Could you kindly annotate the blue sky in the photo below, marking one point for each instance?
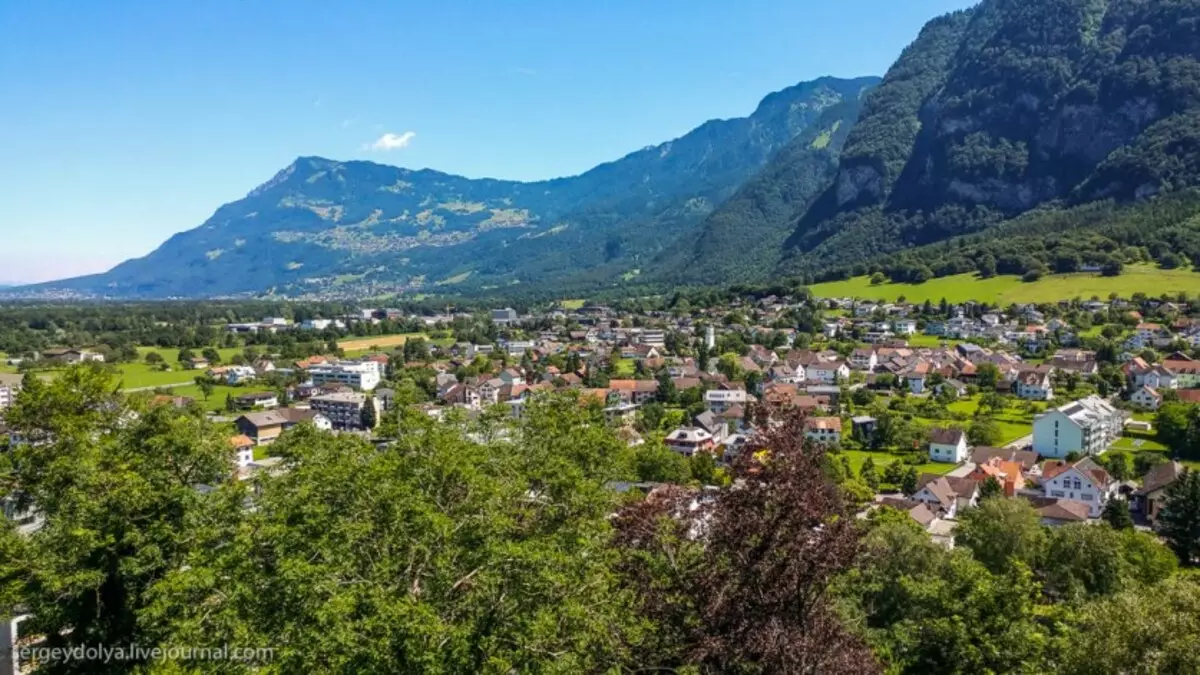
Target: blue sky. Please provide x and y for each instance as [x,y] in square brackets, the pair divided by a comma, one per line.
[125,122]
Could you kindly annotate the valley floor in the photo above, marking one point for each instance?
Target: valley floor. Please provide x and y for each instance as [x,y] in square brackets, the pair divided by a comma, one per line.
[1146,279]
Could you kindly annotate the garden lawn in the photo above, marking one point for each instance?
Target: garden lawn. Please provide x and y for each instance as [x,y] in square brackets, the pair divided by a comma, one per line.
[1147,279]
[882,459]
[625,368]
[216,402]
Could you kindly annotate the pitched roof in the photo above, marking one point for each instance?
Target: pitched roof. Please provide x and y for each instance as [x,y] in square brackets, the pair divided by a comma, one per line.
[1160,476]
[1061,509]
[942,436]
[830,423]
[1026,458]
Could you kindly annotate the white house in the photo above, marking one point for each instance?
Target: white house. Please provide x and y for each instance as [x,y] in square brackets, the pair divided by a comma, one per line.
[687,441]
[1147,398]
[948,445]
[905,327]
[236,375]
[864,358]
[946,495]
[720,400]
[828,373]
[825,430]
[1084,481]
[1156,377]
[1087,426]
[359,375]
[1034,385]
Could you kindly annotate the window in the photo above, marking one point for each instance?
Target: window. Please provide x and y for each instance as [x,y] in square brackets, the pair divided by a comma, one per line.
[1086,496]
[1057,493]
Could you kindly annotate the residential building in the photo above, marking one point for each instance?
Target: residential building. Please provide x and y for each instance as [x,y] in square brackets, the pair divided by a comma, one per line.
[720,400]
[1146,398]
[504,317]
[265,400]
[1085,481]
[713,423]
[72,355]
[363,376]
[948,445]
[1008,473]
[1152,496]
[1034,385]
[635,391]
[945,495]
[864,358]
[243,448]
[10,386]
[265,427]
[825,430]
[1088,426]
[828,373]
[343,409]
[687,441]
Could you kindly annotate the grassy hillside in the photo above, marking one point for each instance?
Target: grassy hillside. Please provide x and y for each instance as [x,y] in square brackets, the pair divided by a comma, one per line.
[1146,279]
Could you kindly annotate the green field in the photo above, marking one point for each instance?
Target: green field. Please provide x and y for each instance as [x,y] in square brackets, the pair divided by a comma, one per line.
[216,402]
[572,304]
[882,459]
[1146,279]
[625,368]
[140,375]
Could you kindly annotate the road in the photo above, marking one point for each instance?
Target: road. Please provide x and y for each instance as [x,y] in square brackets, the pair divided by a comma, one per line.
[158,386]
[1021,443]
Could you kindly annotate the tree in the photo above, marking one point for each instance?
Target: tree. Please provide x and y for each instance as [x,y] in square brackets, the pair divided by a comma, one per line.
[1140,630]
[230,406]
[117,495]
[894,473]
[650,417]
[153,358]
[1116,513]
[211,355]
[206,385]
[869,474]
[987,375]
[480,558]
[185,355]
[656,463]
[1002,532]
[729,366]
[908,481]
[990,488]
[984,431]
[785,528]
[1118,464]
[369,417]
[1179,520]
[666,389]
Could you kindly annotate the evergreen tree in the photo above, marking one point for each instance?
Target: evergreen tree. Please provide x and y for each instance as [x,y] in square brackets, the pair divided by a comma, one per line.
[1179,520]
[369,418]
[869,474]
[990,488]
[1116,514]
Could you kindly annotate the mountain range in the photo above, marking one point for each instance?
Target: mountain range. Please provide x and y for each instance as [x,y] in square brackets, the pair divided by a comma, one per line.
[321,225]
[1000,114]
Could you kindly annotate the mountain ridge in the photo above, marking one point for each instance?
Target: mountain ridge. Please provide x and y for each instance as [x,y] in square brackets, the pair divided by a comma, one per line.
[321,224]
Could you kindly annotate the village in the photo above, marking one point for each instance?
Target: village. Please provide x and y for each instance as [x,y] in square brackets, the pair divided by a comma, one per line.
[922,408]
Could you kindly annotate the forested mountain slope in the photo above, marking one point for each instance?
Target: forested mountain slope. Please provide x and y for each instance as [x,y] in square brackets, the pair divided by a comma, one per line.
[1014,105]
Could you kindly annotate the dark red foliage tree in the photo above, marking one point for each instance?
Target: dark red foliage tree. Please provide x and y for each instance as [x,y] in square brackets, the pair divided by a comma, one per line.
[738,581]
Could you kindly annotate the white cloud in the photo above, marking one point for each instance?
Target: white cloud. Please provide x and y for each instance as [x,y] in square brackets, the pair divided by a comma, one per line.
[390,141]
[347,123]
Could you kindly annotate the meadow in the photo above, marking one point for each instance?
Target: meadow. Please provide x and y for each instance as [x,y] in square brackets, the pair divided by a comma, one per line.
[1143,278]
[882,459]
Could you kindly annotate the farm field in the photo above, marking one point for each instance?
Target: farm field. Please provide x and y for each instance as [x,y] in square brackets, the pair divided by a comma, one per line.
[1143,278]
[216,402]
[381,341]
